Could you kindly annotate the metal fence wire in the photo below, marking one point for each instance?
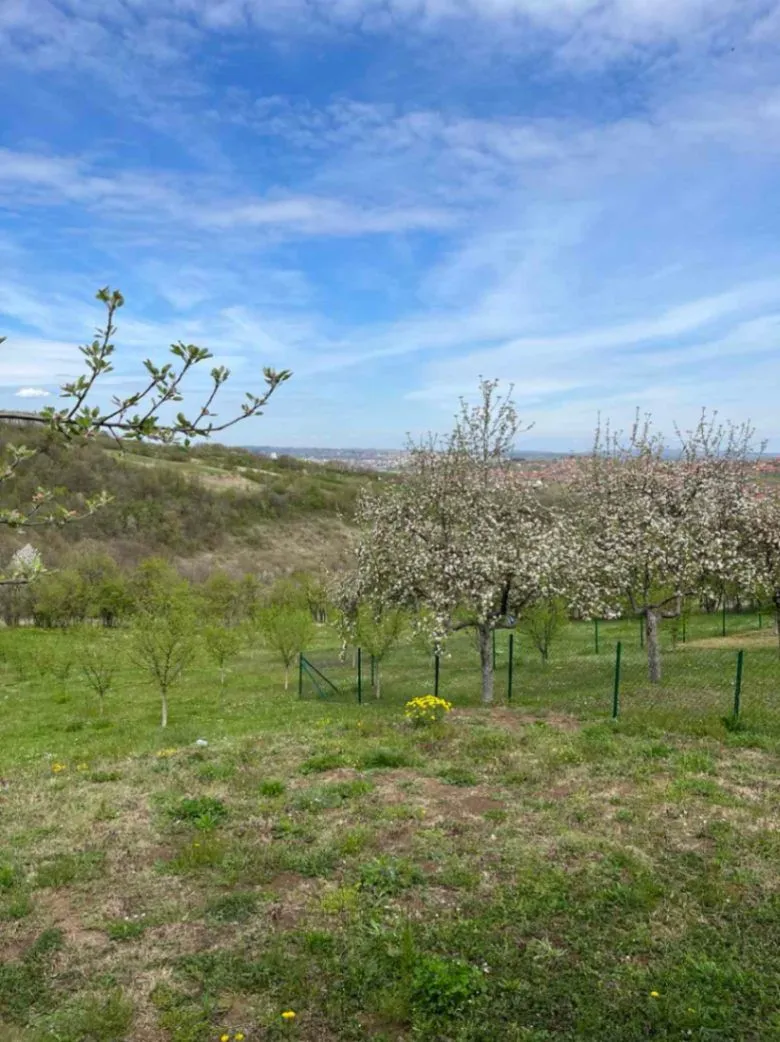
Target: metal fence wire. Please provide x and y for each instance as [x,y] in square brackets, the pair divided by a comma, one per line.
[715,667]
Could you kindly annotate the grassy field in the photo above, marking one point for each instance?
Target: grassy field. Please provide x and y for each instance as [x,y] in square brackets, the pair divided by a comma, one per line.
[532,872]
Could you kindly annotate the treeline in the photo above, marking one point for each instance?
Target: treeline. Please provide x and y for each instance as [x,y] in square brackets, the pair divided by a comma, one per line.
[169,500]
[94,589]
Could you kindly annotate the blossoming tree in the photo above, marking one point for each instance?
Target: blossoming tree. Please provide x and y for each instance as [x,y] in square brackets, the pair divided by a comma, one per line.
[460,539]
[762,543]
[142,415]
[661,524]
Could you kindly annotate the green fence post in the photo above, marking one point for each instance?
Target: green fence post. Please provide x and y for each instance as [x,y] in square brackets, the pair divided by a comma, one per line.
[494,649]
[683,629]
[723,620]
[616,686]
[511,667]
[738,684]
[359,676]
[596,629]
[300,675]
[436,667]
[760,619]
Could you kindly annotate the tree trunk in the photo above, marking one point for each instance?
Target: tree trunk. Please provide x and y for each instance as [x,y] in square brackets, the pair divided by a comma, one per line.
[377,680]
[653,647]
[777,618]
[486,659]
[164,720]
[286,678]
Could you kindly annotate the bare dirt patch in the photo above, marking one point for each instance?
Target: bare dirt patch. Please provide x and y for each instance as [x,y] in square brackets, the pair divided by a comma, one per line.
[58,911]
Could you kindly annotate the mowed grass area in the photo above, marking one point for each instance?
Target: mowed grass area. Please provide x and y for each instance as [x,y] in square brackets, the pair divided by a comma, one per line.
[532,872]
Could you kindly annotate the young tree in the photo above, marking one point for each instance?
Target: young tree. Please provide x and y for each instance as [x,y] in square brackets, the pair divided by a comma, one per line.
[108,594]
[286,630]
[98,663]
[142,415]
[164,639]
[60,599]
[543,621]
[221,598]
[377,633]
[315,593]
[461,538]
[222,644]
[366,625]
[658,526]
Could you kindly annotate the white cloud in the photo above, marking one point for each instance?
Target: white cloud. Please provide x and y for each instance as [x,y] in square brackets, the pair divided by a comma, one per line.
[32,392]
[188,201]
[113,35]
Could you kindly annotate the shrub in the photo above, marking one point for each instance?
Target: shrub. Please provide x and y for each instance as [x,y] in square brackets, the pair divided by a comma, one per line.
[422,712]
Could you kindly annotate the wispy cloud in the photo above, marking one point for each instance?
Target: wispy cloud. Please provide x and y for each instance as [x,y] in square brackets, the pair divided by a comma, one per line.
[393,196]
[32,392]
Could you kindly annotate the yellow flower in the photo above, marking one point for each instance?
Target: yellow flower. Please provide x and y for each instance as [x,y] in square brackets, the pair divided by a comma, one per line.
[82,767]
[224,1038]
[288,1014]
[655,995]
[239,1036]
[57,767]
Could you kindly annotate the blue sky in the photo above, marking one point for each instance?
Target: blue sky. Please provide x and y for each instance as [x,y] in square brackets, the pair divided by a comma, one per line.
[391,197]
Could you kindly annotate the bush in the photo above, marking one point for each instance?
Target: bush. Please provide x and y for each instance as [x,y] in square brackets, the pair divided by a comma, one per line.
[422,712]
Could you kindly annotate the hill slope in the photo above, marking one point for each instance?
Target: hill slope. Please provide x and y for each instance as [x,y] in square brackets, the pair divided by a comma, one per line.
[209,504]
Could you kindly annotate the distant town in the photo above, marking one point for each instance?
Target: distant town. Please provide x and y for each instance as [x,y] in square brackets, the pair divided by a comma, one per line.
[371,459]
[535,464]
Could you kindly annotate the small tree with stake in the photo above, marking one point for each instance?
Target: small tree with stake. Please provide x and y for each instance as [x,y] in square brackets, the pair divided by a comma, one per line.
[139,416]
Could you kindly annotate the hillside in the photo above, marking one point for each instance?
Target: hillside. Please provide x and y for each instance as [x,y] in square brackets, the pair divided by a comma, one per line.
[202,506]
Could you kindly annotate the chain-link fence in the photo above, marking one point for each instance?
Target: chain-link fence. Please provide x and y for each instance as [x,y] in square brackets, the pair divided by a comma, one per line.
[714,668]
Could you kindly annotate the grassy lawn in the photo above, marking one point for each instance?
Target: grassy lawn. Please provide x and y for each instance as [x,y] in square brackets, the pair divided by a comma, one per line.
[533,872]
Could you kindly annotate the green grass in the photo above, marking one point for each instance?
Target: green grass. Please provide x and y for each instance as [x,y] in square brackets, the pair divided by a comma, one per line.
[533,873]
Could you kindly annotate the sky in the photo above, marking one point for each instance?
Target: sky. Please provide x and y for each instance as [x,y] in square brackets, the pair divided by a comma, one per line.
[395,197]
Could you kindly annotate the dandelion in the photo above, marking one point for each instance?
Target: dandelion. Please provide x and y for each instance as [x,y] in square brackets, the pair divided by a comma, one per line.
[239,1036]
[224,1038]
[428,709]
[58,767]
[163,754]
[655,994]
[289,1014]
